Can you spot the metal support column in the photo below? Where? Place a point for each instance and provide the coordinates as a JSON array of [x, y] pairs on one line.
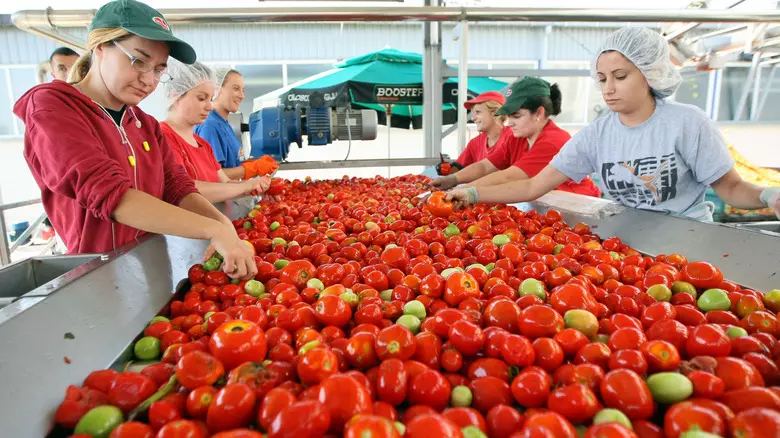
[[718, 88], [756, 93], [754, 68], [765, 94], [432, 85], [463, 84]]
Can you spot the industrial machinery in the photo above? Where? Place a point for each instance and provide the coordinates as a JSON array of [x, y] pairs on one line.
[[273, 129]]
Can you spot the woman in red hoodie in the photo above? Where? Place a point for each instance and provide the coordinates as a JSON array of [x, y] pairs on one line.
[[105, 171]]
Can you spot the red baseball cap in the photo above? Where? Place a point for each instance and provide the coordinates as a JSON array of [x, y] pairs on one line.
[[495, 96]]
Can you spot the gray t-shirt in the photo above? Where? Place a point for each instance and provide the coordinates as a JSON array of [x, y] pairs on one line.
[[664, 164]]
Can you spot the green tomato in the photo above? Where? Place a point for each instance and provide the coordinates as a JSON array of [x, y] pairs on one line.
[[350, 298], [100, 421], [158, 319], [207, 316], [668, 388], [308, 346], [451, 230], [612, 416], [660, 292], [399, 427], [247, 225], [461, 397], [500, 240], [449, 271], [147, 348], [714, 299], [684, 287], [472, 432], [386, 295], [490, 266], [532, 286], [254, 288], [235, 281], [281, 263], [583, 321], [411, 322], [557, 250], [315, 283], [217, 255], [698, 434], [274, 226], [212, 264], [279, 241], [736, 332], [477, 265], [415, 308]]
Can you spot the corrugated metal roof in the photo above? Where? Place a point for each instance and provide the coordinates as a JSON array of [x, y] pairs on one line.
[[299, 41]]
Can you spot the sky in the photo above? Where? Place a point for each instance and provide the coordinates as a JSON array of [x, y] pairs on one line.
[[8, 7]]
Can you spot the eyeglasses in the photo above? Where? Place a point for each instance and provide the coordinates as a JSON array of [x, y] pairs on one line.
[[142, 66]]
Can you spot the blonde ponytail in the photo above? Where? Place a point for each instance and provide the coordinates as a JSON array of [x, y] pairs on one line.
[[95, 38], [493, 107]]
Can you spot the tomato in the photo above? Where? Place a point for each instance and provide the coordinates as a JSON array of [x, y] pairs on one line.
[[609, 430], [256, 376], [132, 429], [549, 355], [431, 425], [464, 417], [488, 392], [181, 429], [646, 429], [197, 368], [503, 420], [553, 423], [77, 402], [236, 342], [686, 416], [459, 287], [332, 310], [344, 398], [625, 390], [570, 340], [370, 425], [317, 365], [101, 380], [754, 397], [438, 206], [626, 338], [232, 408], [395, 257], [198, 401], [629, 359], [504, 314], [595, 353], [273, 403], [707, 340], [467, 337], [661, 355], [539, 321], [576, 403], [276, 187], [483, 367], [756, 422], [430, 388], [161, 413], [703, 275], [392, 381], [531, 388], [759, 321], [395, 341], [304, 419], [737, 373], [670, 331], [128, 390]]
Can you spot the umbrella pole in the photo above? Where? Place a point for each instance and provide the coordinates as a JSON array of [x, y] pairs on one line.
[[389, 111]]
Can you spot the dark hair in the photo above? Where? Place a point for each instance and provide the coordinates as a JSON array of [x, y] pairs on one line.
[[64, 51], [551, 103]]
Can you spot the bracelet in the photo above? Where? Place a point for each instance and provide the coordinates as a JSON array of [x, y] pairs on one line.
[[768, 193]]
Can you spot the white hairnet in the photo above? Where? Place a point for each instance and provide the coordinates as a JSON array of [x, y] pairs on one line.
[[221, 74], [649, 52], [186, 77]]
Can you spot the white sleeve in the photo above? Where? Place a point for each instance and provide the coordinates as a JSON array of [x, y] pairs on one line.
[[574, 159]]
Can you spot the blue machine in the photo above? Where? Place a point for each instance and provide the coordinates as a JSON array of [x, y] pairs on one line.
[[272, 130]]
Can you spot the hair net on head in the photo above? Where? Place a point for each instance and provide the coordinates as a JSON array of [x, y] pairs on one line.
[[649, 52], [186, 77], [222, 74]]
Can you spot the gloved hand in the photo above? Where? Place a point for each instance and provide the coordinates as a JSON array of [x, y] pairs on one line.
[[264, 165], [771, 197], [448, 168], [462, 198], [445, 182]]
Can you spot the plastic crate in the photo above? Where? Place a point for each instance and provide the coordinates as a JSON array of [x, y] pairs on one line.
[[720, 206]]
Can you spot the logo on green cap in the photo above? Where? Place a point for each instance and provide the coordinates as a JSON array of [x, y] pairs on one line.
[[161, 22]]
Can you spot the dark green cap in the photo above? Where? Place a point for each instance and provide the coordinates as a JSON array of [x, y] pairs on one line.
[[520, 91], [142, 20]]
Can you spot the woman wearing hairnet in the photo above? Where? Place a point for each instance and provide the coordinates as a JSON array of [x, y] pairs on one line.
[[650, 154], [189, 93]]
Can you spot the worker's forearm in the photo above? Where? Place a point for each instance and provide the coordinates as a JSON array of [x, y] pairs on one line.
[[742, 195], [507, 193], [220, 192], [199, 205], [501, 177], [140, 210], [235, 172]]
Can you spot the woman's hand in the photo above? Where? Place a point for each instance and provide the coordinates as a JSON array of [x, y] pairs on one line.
[[257, 186], [239, 260], [462, 198], [771, 197], [445, 182]]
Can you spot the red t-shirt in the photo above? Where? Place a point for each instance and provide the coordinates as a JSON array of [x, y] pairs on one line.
[[477, 149], [198, 161], [516, 152]]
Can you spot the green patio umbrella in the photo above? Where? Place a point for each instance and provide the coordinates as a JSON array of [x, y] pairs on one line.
[[388, 78]]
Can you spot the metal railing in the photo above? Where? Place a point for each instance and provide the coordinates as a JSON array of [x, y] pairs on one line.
[[5, 249]]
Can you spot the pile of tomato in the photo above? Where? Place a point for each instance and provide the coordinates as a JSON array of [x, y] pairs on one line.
[[375, 315]]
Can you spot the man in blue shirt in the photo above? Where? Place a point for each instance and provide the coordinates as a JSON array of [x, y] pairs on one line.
[[216, 129]]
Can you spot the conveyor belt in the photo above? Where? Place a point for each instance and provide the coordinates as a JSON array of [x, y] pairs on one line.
[[109, 302]]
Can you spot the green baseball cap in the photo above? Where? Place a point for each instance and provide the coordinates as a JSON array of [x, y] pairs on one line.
[[520, 91], [142, 20]]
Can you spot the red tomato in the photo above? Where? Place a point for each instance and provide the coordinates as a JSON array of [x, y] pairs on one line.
[[332, 310], [392, 381], [306, 418], [686, 416], [316, 365], [430, 388], [577, 403], [488, 392], [258, 377], [370, 425], [273, 403], [459, 287], [706, 385], [130, 389], [703, 275], [438, 206], [198, 401], [625, 390], [756, 422], [503, 421], [609, 430], [531, 387], [661, 355], [549, 355], [553, 423], [101, 380], [161, 413], [236, 342], [467, 337], [464, 417], [395, 341], [737, 373], [297, 273], [182, 429], [232, 408], [132, 429], [430, 425], [78, 401], [197, 368], [754, 397], [707, 340], [539, 321], [344, 398]]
